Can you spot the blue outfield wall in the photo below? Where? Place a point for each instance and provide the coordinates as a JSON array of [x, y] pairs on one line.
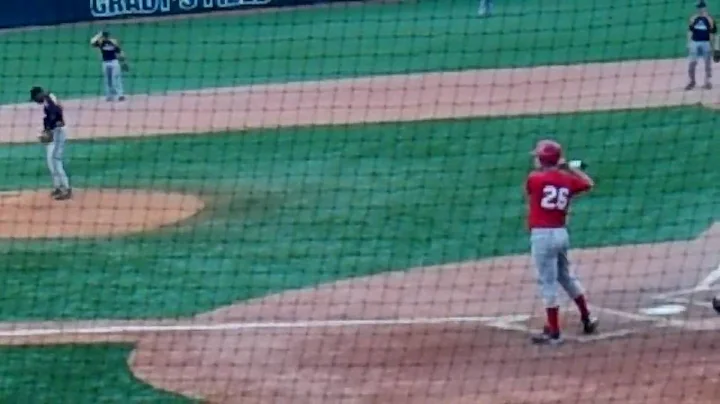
[[21, 13]]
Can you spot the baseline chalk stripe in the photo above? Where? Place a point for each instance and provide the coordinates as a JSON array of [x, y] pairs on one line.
[[709, 280], [131, 329]]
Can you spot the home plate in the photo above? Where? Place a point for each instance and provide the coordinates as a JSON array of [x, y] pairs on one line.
[[664, 310]]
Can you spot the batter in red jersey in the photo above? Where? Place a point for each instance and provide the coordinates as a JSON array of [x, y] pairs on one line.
[[550, 187]]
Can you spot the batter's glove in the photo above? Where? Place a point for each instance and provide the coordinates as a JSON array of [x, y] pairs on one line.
[[46, 137], [716, 304], [716, 55], [576, 164]]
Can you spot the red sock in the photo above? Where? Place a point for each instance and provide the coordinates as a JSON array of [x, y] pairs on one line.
[[553, 320], [582, 305]]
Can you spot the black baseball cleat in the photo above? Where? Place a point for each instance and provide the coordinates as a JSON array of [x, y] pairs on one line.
[[716, 304], [690, 85], [590, 325], [547, 338], [708, 86], [63, 195], [121, 98], [55, 192]]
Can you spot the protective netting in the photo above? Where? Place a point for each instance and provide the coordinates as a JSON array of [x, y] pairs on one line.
[[324, 204]]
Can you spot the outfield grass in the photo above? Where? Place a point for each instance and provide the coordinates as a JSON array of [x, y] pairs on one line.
[[320, 43], [298, 206]]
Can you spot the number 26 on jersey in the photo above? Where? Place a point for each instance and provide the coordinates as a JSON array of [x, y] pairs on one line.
[[555, 198]]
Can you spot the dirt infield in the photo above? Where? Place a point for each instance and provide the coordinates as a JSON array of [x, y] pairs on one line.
[[453, 333], [504, 92], [448, 334], [461, 345], [91, 213]]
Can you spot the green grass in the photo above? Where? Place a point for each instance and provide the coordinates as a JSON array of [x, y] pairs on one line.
[[299, 206], [79, 374], [321, 43]]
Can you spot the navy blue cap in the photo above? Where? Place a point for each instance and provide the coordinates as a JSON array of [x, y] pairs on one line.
[[35, 91], [701, 4]]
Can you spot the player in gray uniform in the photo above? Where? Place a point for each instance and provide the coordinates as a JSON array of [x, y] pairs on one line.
[[113, 65], [549, 189], [702, 40], [486, 7], [54, 137]]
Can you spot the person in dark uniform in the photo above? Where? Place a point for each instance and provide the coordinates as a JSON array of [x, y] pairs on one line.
[[113, 65], [701, 42], [54, 136]]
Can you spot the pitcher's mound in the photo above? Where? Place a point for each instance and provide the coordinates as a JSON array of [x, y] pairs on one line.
[[33, 214]]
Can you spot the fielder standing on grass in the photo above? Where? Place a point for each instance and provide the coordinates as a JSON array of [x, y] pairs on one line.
[[54, 136], [485, 8], [549, 189], [113, 65], [702, 43]]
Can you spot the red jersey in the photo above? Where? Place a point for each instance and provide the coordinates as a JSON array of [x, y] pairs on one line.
[[549, 193]]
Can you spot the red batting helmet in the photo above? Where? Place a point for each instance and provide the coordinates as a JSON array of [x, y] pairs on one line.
[[548, 152]]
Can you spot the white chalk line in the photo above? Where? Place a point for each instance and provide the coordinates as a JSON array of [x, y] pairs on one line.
[[507, 322], [623, 332], [240, 326], [676, 293], [705, 285], [626, 314], [689, 302], [10, 194], [709, 280], [626, 332], [668, 322], [513, 324]]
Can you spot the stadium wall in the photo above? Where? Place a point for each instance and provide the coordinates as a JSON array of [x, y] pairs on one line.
[[22, 13]]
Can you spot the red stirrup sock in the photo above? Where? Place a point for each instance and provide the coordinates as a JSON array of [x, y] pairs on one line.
[[582, 306], [553, 320]]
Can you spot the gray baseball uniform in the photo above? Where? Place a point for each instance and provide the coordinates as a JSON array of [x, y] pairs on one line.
[[54, 151], [549, 190], [701, 29], [111, 67], [113, 81], [549, 249], [550, 193], [486, 7]]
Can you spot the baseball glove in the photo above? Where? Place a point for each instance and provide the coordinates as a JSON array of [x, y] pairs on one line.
[[46, 137], [124, 67], [716, 55]]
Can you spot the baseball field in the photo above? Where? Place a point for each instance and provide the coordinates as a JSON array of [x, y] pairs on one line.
[[324, 205]]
